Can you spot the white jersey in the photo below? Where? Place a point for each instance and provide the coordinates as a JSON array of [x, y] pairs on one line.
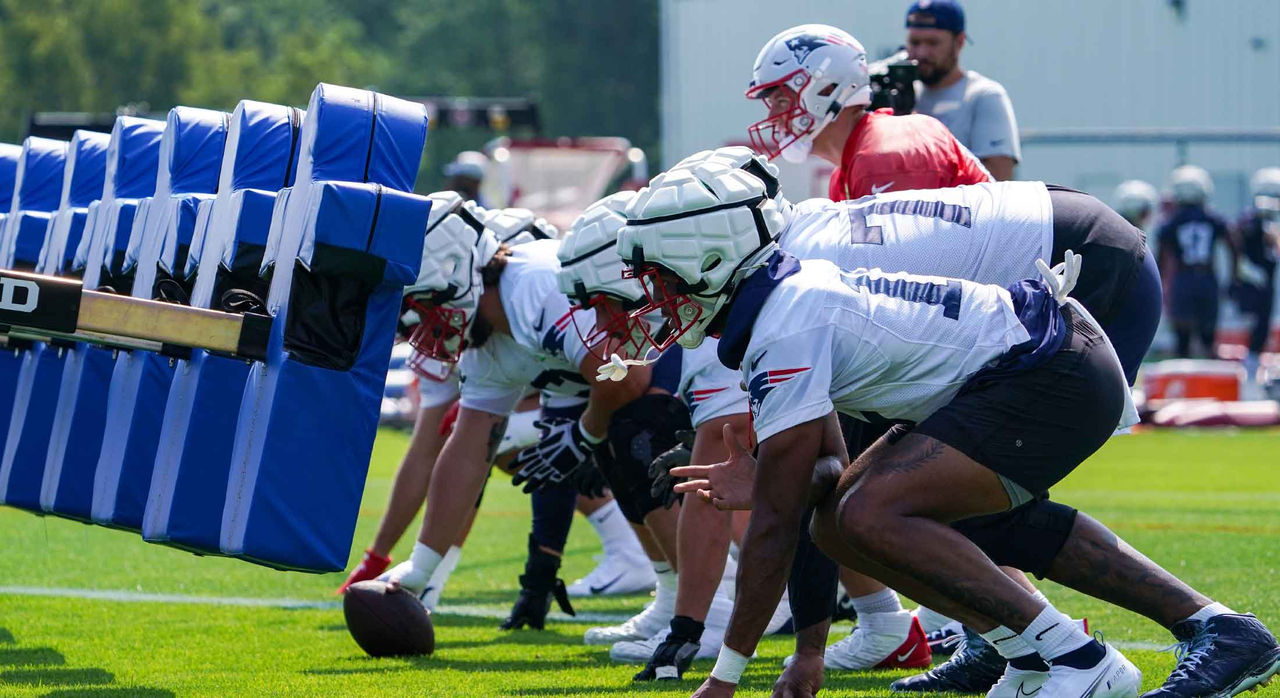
[[543, 350], [708, 388], [896, 345], [990, 233], [434, 393]]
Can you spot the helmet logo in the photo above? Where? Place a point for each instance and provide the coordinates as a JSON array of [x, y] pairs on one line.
[[801, 46]]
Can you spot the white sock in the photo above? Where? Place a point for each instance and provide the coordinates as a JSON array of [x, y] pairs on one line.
[[664, 596], [931, 620], [425, 559], [1041, 597], [883, 601], [1213, 609], [1009, 644], [615, 533], [1052, 634], [441, 576]]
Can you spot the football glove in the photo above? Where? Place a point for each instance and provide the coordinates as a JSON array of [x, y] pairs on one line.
[[675, 655], [563, 449], [371, 565], [660, 468]]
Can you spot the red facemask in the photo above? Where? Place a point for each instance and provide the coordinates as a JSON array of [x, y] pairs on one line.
[[441, 335], [787, 122], [614, 332], [679, 311]]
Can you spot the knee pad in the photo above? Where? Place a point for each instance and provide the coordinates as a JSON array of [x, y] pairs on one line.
[[812, 585], [1028, 537], [639, 432]]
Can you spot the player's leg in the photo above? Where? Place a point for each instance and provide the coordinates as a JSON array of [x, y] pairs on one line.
[[623, 568], [408, 491]]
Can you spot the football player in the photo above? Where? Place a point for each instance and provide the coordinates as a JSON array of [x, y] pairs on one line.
[[815, 82], [1259, 243], [1007, 392], [1187, 243], [1137, 201]]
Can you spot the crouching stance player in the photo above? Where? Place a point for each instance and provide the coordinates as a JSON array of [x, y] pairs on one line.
[[1008, 393], [502, 305]]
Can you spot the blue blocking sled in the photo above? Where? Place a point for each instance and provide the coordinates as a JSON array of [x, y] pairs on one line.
[[190, 162], [75, 440], [37, 193], [346, 240], [10, 360], [184, 507], [36, 395]]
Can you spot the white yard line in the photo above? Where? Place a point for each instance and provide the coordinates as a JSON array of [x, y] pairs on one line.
[[470, 610]]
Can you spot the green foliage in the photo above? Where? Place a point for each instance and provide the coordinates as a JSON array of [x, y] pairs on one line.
[[592, 65]]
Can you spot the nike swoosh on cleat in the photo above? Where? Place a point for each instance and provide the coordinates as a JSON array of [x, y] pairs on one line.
[[1040, 635], [603, 588], [906, 655], [1021, 692]]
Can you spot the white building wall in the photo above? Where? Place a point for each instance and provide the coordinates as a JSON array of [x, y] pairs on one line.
[[1085, 63]]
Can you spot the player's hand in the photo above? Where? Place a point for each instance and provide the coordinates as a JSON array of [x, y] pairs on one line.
[[660, 470], [590, 479], [728, 485], [802, 679], [715, 688], [561, 450]]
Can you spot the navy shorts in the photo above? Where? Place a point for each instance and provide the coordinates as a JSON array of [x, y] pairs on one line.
[[1194, 299]]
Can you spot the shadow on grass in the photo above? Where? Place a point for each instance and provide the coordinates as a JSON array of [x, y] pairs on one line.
[[34, 656], [112, 692], [56, 677], [369, 665], [6, 637], [835, 685]]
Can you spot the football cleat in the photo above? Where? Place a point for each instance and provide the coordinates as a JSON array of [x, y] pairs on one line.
[[617, 573], [1018, 683], [944, 640], [642, 626], [371, 565], [844, 609], [1223, 656], [882, 641], [1114, 676], [975, 667]]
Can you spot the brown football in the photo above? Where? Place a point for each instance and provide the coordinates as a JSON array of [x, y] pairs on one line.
[[387, 623]]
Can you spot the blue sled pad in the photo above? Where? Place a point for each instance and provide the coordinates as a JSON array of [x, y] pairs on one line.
[[309, 414]]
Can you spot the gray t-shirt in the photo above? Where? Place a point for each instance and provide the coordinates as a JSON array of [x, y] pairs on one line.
[[978, 113]]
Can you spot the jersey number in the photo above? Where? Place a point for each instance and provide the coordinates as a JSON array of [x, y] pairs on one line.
[[1196, 240], [947, 295], [862, 233]]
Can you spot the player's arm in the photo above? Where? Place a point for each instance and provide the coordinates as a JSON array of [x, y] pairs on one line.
[[607, 396], [1233, 248], [786, 464]]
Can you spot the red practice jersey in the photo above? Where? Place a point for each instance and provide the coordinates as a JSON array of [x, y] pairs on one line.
[[893, 153]]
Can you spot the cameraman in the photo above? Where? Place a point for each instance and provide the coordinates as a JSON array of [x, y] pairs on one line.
[[975, 108], [814, 80]]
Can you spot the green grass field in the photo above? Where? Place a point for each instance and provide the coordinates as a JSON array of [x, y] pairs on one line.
[[1205, 504]]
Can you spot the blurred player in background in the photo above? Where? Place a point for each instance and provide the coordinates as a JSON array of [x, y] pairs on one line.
[[1187, 243], [465, 175], [974, 107], [1138, 202], [1259, 244]]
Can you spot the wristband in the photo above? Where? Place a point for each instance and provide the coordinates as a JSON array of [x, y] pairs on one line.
[[729, 665], [588, 436]]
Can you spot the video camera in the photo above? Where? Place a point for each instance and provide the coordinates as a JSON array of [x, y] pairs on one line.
[[893, 83]]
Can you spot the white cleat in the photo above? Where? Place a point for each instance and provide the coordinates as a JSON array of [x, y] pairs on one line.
[[616, 574], [641, 651], [1018, 683], [641, 626], [1113, 677], [876, 637]]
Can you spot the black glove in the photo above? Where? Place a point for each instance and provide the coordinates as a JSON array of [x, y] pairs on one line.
[[562, 450], [675, 655], [538, 586], [660, 468], [590, 479]]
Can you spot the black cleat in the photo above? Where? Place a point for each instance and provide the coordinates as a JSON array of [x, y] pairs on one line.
[[538, 586], [844, 609], [944, 641], [1223, 656], [975, 667]]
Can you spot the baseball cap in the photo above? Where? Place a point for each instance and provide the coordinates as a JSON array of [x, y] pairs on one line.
[[936, 14], [469, 163]]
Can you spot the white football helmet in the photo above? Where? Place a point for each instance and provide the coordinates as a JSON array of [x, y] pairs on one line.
[[805, 75], [1264, 189], [444, 296], [1135, 200], [591, 271], [1190, 185], [516, 226], [710, 224]]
